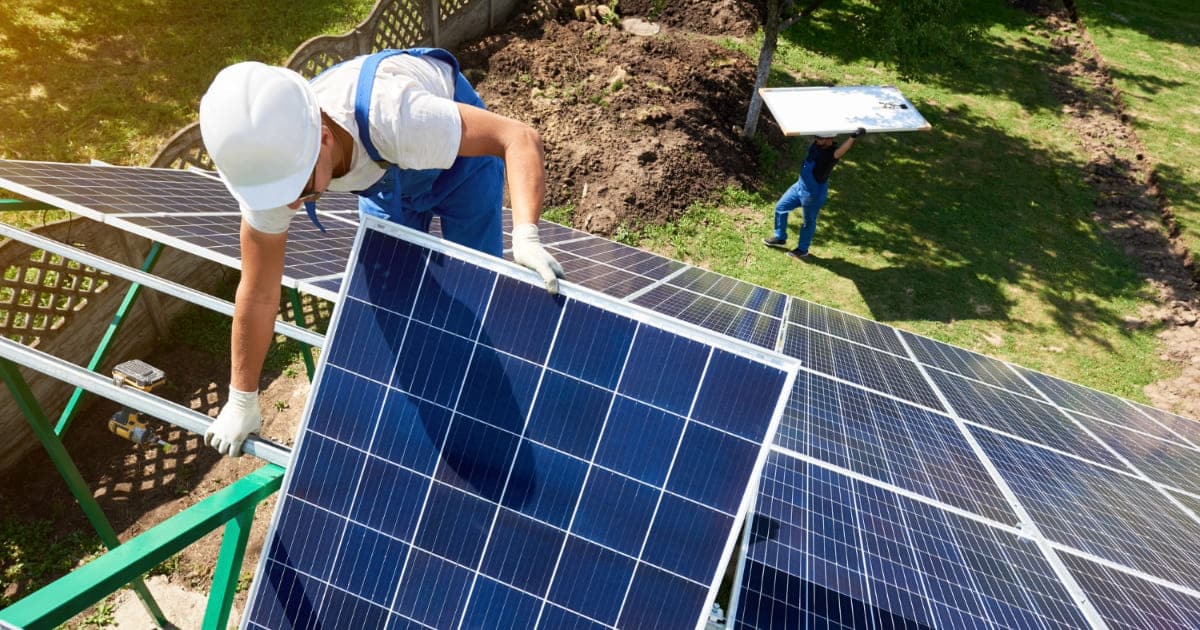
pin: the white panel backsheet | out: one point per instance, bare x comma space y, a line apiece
833, 110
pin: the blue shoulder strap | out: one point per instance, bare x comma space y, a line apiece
366, 83
310, 208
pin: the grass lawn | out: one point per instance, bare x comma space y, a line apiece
112, 80
977, 233
1153, 53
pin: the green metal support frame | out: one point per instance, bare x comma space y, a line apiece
232, 506
101, 353
71, 595
298, 314
66, 468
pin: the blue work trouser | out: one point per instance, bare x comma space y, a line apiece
806, 193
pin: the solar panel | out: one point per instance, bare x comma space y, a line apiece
828, 550
476, 453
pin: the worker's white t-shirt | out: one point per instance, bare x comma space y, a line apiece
414, 124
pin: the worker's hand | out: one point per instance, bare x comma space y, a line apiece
861, 131
237, 420
527, 250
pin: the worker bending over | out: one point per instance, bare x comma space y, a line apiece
405, 131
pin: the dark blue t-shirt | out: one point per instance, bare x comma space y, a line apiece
823, 161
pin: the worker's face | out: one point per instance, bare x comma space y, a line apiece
318, 181
824, 142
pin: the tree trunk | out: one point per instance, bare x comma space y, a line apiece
770, 40
771, 30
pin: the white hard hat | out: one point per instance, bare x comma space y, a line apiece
827, 136
262, 127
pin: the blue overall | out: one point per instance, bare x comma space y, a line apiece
467, 196
806, 193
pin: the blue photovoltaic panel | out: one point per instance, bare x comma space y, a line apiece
598, 276
1099, 511
827, 551
1107, 407
718, 287
1185, 428
1132, 602
859, 365
721, 317
476, 453
967, 363
117, 190
1023, 417
890, 441
846, 326
1164, 461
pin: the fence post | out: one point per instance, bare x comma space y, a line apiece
434, 22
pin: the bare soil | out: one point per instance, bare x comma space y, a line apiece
636, 128
1129, 203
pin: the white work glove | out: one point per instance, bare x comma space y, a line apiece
527, 250
237, 420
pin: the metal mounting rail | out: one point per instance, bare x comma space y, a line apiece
132, 274
148, 403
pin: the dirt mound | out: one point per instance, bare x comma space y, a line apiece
636, 127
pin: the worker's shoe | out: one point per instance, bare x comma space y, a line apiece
774, 242
797, 254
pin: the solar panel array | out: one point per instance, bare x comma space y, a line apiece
915, 483
190, 211
479, 454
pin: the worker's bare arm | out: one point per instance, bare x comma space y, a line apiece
487, 133
843, 148
256, 305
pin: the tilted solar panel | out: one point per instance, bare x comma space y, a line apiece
476, 453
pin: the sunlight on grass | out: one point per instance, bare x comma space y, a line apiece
1151, 49
113, 79
977, 233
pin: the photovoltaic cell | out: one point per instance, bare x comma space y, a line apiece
1185, 428
477, 453
1107, 407
1162, 461
846, 326
117, 189
889, 441
745, 324
825, 550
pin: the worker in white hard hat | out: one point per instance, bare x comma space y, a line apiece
405, 131
810, 191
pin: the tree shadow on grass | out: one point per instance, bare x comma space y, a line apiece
954, 223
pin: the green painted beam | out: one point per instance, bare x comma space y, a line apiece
7, 205
68, 413
73, 593
228, 572
61, 459
298, 315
